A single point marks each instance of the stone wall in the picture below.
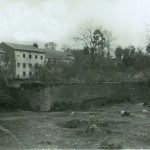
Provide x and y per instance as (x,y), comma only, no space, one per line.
(44,98)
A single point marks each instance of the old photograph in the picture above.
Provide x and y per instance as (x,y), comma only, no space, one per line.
(74,74)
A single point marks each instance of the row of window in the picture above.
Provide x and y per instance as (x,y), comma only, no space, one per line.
(24,65)
(24,74)
(30,56)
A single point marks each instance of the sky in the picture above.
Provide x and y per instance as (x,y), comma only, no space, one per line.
(41,21)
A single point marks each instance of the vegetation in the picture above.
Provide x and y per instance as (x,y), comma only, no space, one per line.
(97,60)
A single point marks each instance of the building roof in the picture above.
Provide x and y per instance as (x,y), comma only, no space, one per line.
(55,54)
(23,47)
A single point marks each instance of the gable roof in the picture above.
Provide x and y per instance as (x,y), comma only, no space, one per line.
(23,47)
(55,54)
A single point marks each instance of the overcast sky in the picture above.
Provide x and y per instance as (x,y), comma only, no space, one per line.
(25,21)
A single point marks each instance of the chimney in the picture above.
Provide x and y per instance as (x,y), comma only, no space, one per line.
(35,45)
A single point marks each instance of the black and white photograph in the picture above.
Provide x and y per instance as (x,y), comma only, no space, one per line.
(74,74)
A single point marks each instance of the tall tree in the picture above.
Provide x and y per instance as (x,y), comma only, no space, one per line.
(148,48)
(108,42)
(94,41)
(132,51)
(119,52)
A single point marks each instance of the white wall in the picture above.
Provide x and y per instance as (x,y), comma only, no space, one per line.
(20,59)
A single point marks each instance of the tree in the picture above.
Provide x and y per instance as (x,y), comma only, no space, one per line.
(148,48)
(51,45)
(35,45)
(119,52)
(94,40)
(132,51)
(47,74)
(108,42)
(126,53)
(129,56)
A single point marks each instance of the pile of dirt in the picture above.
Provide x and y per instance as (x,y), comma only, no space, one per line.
(90,127)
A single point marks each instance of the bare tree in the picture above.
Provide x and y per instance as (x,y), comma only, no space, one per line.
(95,40)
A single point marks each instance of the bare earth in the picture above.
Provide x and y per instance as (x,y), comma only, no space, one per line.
(30,130)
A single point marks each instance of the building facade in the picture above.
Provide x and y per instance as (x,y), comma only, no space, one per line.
(2,59)
(21,59)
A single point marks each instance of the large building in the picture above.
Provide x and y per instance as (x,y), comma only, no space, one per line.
(21,59)
(2,58)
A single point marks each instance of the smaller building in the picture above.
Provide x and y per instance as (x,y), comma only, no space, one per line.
(58,57)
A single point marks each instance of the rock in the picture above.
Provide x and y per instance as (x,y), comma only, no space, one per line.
(144,111)
(125,113)
(72,113)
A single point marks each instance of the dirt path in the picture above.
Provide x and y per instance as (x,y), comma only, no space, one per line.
(46,130)
(13,136)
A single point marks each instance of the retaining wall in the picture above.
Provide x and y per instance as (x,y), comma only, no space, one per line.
(44,98)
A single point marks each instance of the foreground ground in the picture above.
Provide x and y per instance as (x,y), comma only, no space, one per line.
(29,130)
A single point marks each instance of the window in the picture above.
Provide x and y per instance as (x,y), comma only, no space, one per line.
(30,73)
(18,55)
(35,56)
(2,56)
(30,56)
(24,74)
(18,65)
(24,65)
(30,65)
(18,76)
(41,57)
(24,55)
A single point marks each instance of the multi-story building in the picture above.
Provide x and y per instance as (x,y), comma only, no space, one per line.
(21,59)
(2,58)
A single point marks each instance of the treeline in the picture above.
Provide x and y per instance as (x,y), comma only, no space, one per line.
(97,60)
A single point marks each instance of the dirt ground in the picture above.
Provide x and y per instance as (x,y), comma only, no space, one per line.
(30,130)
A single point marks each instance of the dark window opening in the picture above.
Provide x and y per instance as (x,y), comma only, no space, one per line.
(35,56)
(41,57)
(30,73)
(24,65)
(30,56)
(30,65)
(24,55)
(24,73)
(18,64)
